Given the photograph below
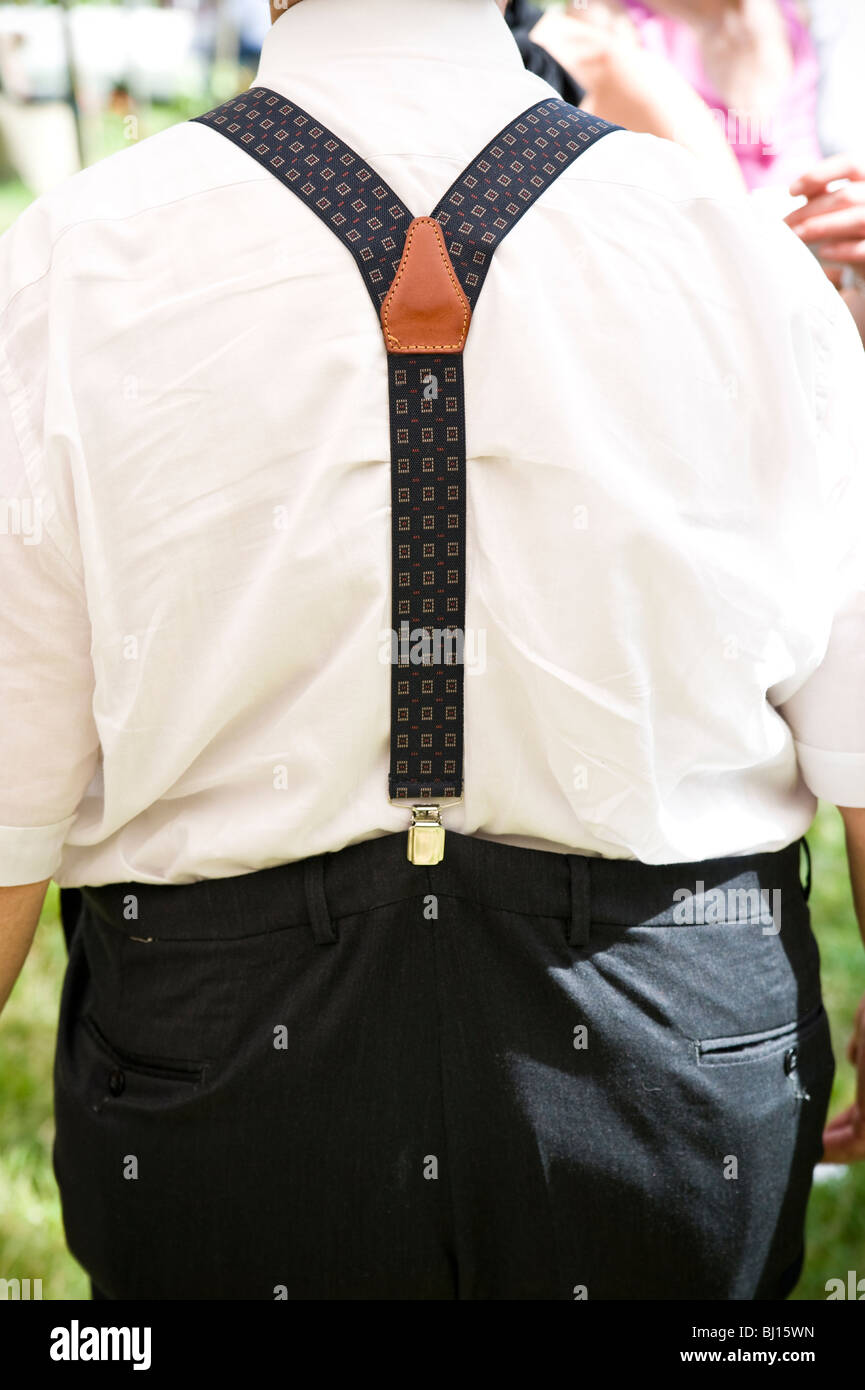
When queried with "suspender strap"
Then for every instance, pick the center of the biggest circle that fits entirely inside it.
(325, 173)
(424, 276)
(506, 179)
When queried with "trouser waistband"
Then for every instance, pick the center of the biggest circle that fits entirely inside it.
(579, 888)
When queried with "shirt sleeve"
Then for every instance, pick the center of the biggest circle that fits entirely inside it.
(826, 714)
(48, 740)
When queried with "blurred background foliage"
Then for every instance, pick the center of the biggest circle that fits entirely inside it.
(80, 80)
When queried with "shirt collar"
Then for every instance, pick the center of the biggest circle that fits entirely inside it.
(467, 33)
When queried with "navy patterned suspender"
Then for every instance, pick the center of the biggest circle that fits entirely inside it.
(427, 416)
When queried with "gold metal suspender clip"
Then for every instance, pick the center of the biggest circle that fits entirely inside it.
(426, 835)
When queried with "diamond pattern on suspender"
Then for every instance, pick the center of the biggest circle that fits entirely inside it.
(325, 173)
(428, 494)
(426, 395)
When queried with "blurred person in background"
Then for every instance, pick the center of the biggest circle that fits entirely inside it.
(251, 21)
(771, 75)
(751, 63)
(37, 131)
(831, 219)
(591, 66)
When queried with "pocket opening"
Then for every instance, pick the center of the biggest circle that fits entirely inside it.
(747, 1045)
(167, 1069)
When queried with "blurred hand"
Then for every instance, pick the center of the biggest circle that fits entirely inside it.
(582, 46)
(844, 1137)
(834, 222)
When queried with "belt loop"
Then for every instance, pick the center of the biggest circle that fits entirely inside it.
(319, 915)
(807, 849)
(581, 895)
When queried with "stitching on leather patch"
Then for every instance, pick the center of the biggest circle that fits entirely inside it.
(391, 339)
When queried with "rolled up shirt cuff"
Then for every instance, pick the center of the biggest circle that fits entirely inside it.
(29, 854)
(835, 777)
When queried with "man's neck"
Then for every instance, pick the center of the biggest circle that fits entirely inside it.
(278, 7)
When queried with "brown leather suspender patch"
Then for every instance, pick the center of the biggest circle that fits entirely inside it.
(425, 309)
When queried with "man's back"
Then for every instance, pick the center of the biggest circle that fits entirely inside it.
(196, 389)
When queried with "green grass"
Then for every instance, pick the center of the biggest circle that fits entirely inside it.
(31, 1234)
(836, 1214)
(32, 1245)
(14, 198)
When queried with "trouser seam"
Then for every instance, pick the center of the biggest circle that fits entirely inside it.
(449, 1191)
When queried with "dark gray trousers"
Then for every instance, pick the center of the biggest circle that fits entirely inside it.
(515, 1075)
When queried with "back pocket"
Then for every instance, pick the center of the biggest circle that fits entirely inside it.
(106, 1075)
(752, 1047)
(166, 1067)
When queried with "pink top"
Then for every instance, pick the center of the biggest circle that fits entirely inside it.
(772, 152)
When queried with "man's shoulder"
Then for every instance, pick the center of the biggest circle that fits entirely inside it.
(650, 190)
(649, 164)
(656, 196)
(165, 169)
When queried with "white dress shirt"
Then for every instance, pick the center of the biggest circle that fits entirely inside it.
(664, 518)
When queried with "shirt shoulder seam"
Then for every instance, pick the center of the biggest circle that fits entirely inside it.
(124, 217)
